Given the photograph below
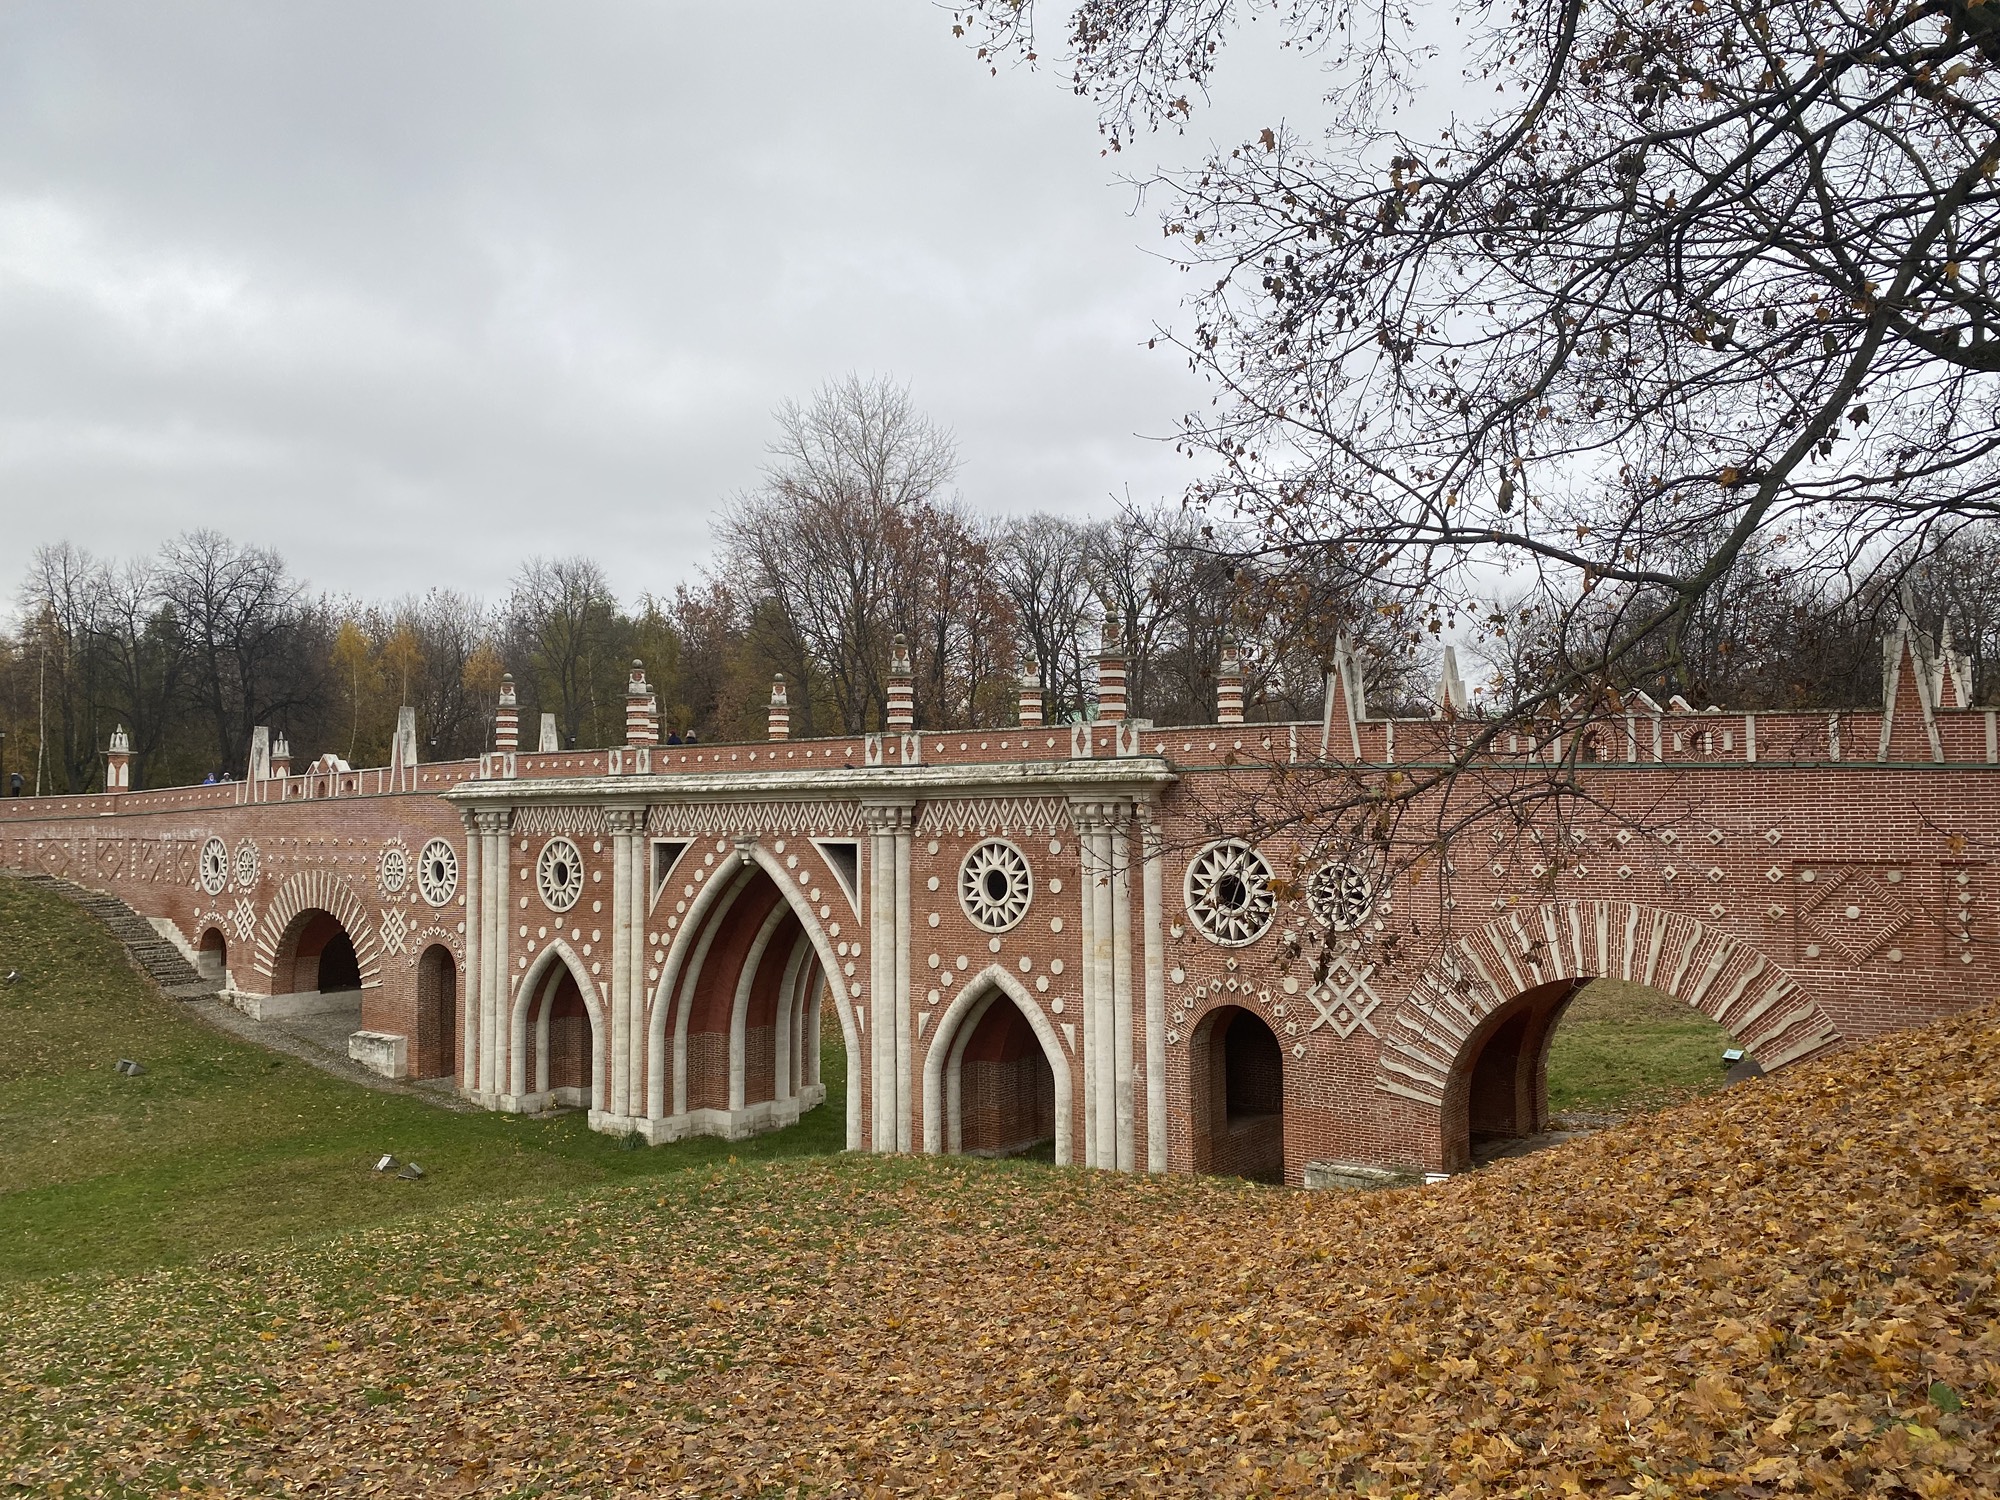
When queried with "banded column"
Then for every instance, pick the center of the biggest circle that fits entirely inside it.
(641, 727)
(779, 723)
(890, 826)
(1229, 687)
(624, 1068)
(1031, 695)
(507, 718)
(902, 689)
(1111, 673)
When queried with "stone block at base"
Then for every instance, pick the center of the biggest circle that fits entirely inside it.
(294, 1006)
(1350, 1177)
(381, 1052)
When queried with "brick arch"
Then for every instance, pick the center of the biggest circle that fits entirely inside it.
(961, 1016)
(546, 970)
(310, 891)
(727, 880)
(1727, 980)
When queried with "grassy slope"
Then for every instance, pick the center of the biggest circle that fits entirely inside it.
(1623, 1046)
(1786, 1288)
(223, 1146)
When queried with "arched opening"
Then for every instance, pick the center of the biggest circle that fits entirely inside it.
(736, 1018)
(322, 957)
(561, 1053)
(436, 1052)
(212, 957)
(1572, 1055)
(1238, 1096)
(1000, 1091)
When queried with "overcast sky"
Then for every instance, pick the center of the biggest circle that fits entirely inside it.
(413, 291)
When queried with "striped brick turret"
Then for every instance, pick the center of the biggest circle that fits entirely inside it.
(781, 709)
(902, 688)
(1031, 695)
(1111, 674)
(1229, 687)
(642, 727)
(507, 721)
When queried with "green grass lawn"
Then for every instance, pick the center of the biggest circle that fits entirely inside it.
(221, 1145)
(1621, 1046)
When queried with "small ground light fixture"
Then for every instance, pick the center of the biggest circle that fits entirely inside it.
(129, 1067)
(386, 1164)
(411, 1172)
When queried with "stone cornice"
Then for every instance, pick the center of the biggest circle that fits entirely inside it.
(1129, 776)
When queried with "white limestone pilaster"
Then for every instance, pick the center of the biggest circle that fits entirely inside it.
(1153, 950)
(1121, 992)
(497, 977)
(890, 825)
(472, 999)
(624, 1038)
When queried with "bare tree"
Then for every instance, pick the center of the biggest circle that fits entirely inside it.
(1702, 283)
(249, 632)
(855, 491)
(568, 634)
(1042, 562)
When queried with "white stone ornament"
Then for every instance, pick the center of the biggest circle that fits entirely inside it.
(559, 874)
(214, 867)
(1341, 896)
(393, 870)
(248, 863)
(437, 872)
(1227, 889)
(995, 885)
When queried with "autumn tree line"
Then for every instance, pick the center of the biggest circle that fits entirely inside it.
(854, 536)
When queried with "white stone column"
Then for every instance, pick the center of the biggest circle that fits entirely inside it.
(1153, 947)
(906, 1098)
(1121, 990)
(625, 825)
(1087, 874)
(472, 981)
(496, 861)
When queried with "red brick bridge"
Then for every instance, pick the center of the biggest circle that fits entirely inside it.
(1056, 933)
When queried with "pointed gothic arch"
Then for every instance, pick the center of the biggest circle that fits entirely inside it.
(532, 1001)
(956, 1025)
(680, 969)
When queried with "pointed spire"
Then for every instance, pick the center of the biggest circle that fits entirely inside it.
(1346, 705)
(1452, 702)
(118, 762)
(1909, 711)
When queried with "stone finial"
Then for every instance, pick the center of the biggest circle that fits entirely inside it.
(118, 762)
(902, 688)
(404, 756)
(507, 719)
(1229, 686)
(551, 740)
(642, 727)
(1111, 673)
(780, 721)
(1031, 694)
(281, 757)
